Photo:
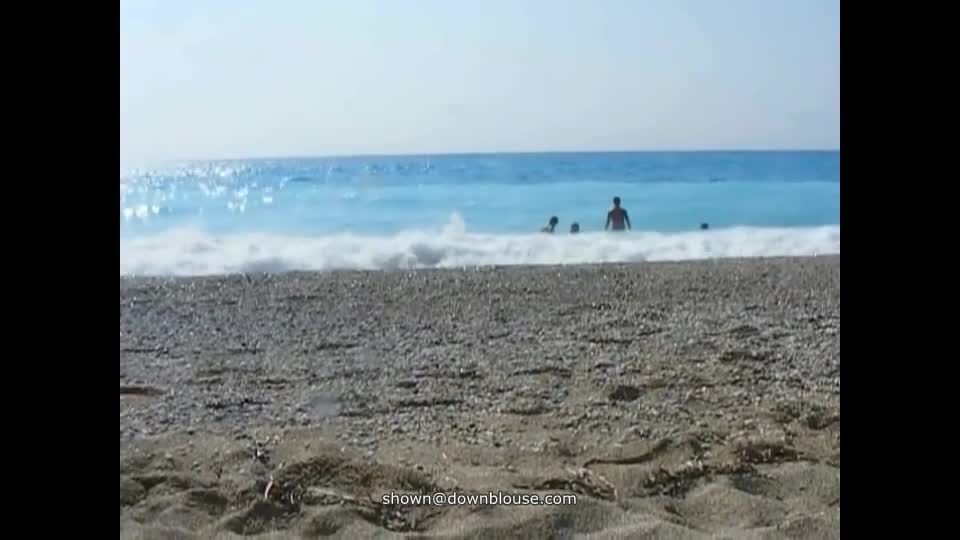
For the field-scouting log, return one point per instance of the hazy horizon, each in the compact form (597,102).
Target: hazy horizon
(218,80)
(485,153)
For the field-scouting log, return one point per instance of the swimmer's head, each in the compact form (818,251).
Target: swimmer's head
(553,221)
(574,228)
(616,201)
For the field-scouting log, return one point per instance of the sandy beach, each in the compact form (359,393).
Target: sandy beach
(675,400)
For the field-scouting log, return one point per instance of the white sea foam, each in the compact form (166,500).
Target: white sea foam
(195,252)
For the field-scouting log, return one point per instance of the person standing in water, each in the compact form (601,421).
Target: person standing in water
(551,225)
(617,217)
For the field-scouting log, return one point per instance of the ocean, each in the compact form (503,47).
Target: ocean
(454,211)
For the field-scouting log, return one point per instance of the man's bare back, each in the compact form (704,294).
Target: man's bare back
(617,217)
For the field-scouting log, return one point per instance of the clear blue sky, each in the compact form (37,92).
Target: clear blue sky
(249,78)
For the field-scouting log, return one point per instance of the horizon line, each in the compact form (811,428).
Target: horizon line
(494,153)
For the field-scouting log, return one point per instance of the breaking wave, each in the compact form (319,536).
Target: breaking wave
(192,251)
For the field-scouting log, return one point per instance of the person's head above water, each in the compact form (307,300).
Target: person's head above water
(574,228)
(616,201)
(551,225)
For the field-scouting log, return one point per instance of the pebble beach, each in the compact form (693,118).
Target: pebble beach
(696,399)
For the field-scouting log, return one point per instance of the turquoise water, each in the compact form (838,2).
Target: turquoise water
(447,211)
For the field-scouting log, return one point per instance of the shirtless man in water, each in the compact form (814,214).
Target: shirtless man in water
(617,217)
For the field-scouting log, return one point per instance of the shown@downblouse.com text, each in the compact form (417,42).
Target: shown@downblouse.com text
(456,499)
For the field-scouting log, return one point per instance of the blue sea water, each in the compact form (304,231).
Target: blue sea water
(465,210)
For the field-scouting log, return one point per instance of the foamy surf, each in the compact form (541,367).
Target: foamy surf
(191,252)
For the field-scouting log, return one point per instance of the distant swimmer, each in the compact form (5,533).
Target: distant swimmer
(551,225)
(574,228)
(617,217)
(704,226)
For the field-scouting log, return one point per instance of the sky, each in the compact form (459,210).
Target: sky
(211,79)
